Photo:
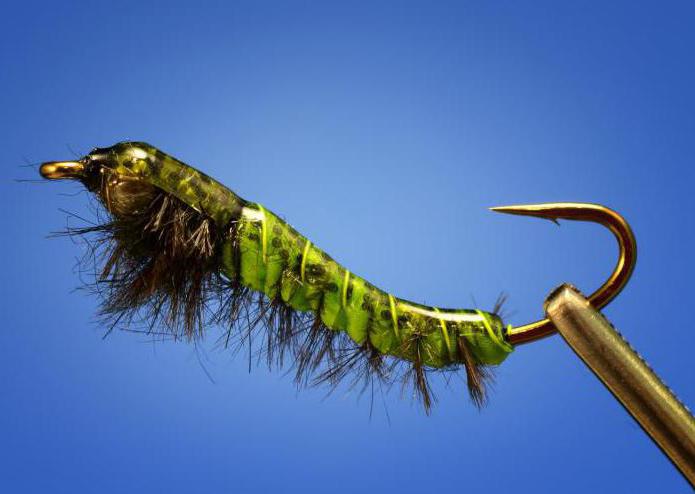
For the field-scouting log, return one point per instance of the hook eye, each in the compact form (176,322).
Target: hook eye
(56,170)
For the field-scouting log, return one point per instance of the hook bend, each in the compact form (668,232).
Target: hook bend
(579,211)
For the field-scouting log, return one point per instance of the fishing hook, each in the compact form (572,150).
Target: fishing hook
(579,211)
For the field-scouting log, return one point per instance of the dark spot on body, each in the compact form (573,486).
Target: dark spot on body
(155,165)
(316,269)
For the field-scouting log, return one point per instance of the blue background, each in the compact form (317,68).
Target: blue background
(382,131)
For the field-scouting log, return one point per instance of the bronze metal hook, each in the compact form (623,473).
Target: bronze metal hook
(578,211)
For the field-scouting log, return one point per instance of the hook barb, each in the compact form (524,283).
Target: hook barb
(579,211)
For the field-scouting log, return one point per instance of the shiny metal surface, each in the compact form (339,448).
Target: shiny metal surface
(667,421)
(578,211)
(55,170)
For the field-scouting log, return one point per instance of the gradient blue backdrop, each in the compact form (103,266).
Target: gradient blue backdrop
(382,131)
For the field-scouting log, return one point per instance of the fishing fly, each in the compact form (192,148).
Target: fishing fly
(176,251)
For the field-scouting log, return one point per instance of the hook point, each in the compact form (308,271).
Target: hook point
(547,211)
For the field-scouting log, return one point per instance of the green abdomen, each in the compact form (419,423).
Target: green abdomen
(273,258)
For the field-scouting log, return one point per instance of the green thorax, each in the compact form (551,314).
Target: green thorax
(191,186)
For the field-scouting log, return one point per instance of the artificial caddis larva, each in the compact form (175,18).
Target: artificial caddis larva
(175,239)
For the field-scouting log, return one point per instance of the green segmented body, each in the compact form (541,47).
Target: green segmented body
(273,258)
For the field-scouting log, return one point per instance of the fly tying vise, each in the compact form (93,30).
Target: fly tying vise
(175,242)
